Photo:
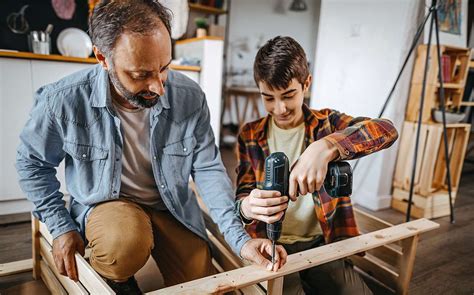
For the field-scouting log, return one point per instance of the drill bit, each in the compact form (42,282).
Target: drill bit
(273,254)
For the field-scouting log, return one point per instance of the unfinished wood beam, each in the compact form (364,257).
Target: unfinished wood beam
(35,247)
(50,280)
(275,286)
(376,270)
(407,263)
(71,286)
(45,232)
(87,275)
(246,276)
(11,268)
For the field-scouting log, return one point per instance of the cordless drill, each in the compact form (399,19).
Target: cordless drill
(338,183)
(277,176)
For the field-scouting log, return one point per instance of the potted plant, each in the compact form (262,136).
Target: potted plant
(201,25)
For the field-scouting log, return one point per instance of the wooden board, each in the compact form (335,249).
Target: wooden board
(50,280)
(250,275)
(11,268)
(88,277)
(71,286)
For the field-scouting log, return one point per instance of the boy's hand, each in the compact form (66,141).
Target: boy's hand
(266,206)
(308,173)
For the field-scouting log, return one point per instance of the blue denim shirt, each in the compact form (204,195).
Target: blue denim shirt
(73,120)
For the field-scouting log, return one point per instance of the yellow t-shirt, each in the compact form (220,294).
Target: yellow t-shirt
(300,223)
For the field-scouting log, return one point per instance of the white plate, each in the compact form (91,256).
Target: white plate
(74,42)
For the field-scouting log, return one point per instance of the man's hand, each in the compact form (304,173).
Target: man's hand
(266,206)
(64,248)
(257,251)
(309,172)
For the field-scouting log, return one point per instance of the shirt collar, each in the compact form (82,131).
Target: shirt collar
(101,97)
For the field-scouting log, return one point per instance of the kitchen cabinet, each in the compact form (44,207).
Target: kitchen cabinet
(21,74)
(19,79)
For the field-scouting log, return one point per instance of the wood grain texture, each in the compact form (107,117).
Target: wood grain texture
(252,274)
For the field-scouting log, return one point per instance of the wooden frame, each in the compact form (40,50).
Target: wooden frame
(454,90)
(390,253)
(430,175)
(249,275)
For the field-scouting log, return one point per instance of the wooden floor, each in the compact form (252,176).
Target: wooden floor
(444,263)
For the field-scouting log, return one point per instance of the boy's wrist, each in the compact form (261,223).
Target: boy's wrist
(328,150)
(333,151)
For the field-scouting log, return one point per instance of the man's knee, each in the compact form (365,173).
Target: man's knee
(120,239)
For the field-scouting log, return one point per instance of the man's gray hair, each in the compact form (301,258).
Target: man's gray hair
(110,18)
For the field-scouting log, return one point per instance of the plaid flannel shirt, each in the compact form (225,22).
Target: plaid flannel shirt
(353,137)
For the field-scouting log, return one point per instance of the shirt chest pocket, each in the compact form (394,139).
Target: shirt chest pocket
(86,167)
(178,158)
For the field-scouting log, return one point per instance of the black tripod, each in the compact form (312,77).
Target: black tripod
(433,12)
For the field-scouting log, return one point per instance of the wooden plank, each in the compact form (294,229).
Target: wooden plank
(413,106)
(54,286)
(418,70)
(420,158)
(45,233)
(403,151)
(90,278)
(14,267)
(35,247)
(451,85)
(51,57)
(422,212)
(406,264)
(252,274)
(387,254)
(429,162)
(438,198)
(458,153)
(275,286)
(71,286)
(369,223)
(375,270)
(415,211)
(440,173)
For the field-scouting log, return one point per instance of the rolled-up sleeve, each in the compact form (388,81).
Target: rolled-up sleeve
(356,137)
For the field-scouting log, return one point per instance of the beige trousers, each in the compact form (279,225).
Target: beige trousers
(123,234)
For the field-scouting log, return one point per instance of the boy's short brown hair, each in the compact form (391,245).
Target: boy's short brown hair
(279,61)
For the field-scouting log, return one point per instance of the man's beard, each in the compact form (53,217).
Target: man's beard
(135,99)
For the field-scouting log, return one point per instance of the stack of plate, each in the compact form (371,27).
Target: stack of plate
(74,42)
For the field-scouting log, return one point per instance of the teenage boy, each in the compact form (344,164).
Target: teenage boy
(311,139)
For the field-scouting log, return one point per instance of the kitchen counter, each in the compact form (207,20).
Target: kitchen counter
(89,60)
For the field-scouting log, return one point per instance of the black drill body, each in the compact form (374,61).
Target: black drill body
(277,178)
(338,183)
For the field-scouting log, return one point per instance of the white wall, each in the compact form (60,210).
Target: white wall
(254,22)
(448,38)
(361,46)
